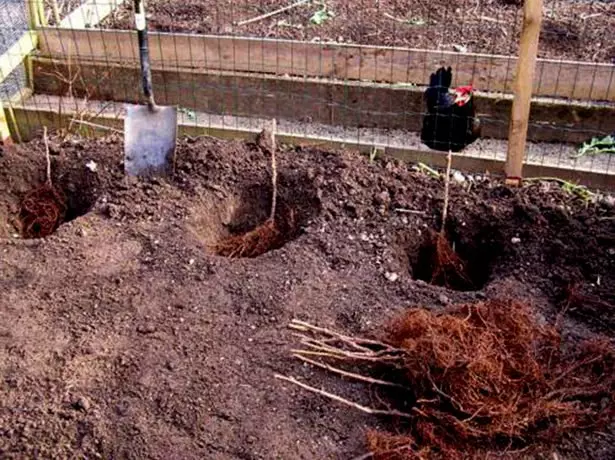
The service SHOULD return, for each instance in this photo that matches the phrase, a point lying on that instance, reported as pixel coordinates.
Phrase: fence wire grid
(349, 71)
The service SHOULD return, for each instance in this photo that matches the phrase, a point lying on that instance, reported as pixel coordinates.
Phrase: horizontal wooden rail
(338, 103)
(490, 73)
(54, 112)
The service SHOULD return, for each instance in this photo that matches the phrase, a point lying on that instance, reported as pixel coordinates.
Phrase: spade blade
(150, 137)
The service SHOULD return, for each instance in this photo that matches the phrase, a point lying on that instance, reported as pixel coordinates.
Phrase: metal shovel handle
(146, 71)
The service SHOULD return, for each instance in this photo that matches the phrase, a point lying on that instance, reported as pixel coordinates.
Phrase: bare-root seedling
(439, 261)
(43, 208)
(272, 233)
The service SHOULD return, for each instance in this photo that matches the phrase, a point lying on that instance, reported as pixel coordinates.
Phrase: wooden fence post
(35, 10)
(524, 82)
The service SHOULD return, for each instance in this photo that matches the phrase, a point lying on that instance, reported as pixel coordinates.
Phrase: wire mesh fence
(346, 72)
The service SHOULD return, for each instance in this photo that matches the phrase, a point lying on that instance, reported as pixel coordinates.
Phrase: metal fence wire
(351, 72)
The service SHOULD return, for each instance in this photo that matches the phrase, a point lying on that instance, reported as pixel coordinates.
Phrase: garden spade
(150, 131)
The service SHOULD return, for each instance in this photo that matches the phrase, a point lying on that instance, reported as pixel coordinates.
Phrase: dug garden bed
(126, 334)
(572, 29)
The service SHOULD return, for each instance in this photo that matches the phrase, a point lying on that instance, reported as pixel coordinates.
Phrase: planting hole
(240, 225)
(45, 207)
(453, 261)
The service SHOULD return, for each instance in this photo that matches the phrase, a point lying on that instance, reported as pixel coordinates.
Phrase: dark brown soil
(572, 29)
(123, 336)
(64, 9)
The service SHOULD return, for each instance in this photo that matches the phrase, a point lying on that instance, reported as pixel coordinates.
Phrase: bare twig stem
(490, 19)
(394, 18)
(447, 185)
(344, 355)
(47, 155)
(273, 13)
(426, 169)
(322, 354)
(274, 171)
(344, 373)
(410, 211)
(96, 125)
(303, 326)
(334, 397)
(323, 345)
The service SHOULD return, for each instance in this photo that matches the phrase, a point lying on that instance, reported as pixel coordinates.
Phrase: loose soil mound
(571, 29)
(123, 336)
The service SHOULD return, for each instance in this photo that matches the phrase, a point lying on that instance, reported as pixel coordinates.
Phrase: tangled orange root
(42, 211)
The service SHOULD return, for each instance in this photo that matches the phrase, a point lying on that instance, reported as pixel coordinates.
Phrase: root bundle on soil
(42, 211)
(478, 377)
